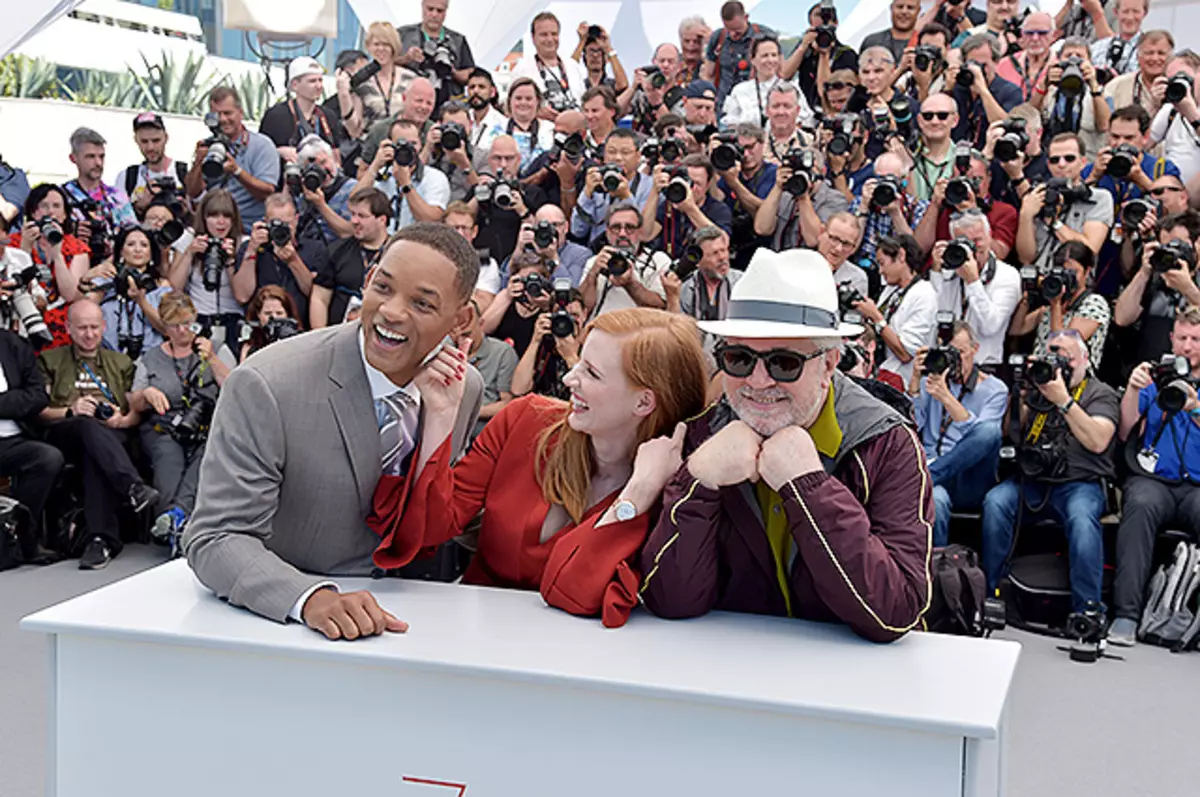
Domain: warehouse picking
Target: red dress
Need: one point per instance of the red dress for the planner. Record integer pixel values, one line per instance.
(56, 312)
(581, 569)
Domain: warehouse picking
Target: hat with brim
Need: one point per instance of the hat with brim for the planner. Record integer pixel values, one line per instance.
(789, 294)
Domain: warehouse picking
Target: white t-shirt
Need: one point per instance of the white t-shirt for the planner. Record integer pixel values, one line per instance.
(646, 271)
(1180, 142)
(433, 187)
(741, 104)
(989, 307)
(489, 278)
(915, 321)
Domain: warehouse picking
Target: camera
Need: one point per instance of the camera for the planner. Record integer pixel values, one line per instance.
(313, 176)
(842, 126)
(19, 304)
(570, 145)
(727, 153)
(680, 186)
(655, 76)
(957, 252)
(1135, 210)
(170, 232)
(942, 360)
(1012, 142)
(848, 296)
(545, 235)
(593, 32)
(619, 261)
(103, 411)
(1044, 459)
(651, 151)
(927, 57)
(562, 323)
(214, 264)
(959, 190)
(687, 262)
(1060, 195)
(404, 152)
(50, 229)
(213, 165)
(438, 56)
(1124, 156)
(99, 235)
(279, 232)
(536, 286)
(852, 355)
(802, 163)
(453, 135)
(1171, 255)
(142, 280)
(827, 30)
(1072, 82)
(189, 424)
(1059, 281)
(363, 75)
(501, 193)
(1042, 370)
(702, 133)
(1170, 375)
(1179, 87)
(672, 149)
(280, 329)
(902, 116)
(292, 179)
(965, 78)
(887, 188)
(611, 177)
(1087, 629)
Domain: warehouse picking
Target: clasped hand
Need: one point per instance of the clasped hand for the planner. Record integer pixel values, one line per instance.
(739, 454)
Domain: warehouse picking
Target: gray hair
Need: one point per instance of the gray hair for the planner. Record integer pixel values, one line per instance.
(876, 54)
(706, 234)
(750, 130)
(970, 218)
(622, 207)
(1077, 41)
(690, 22)
(784, 87)
(311, 146)
(86, 135)
(981, 40)
(831, 344)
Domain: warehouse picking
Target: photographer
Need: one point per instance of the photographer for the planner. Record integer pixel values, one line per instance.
(525, 125)
(1062, 209)
(250, 166)
(729, 52)
(99, 210)
(350, 259)
(167, 221)
(600, 112)
(1064, 96)
(1154, 50)
(889, 112)
(955, 16)
(745, 185)
(558, 171)
(1087, 19)
(699, 115)
(1067, 429)
(381, 96)
(1175, 124)
(1062, 300)
(704, 293)
(1118, 54)
(156, 174)
(835, 95)
(561, 81)
(324, 216)
(896, 38)
(440, 54)
(934, 157)
(487, 121)
(842, 139)
(819, 53)
(206, 271)
(926, 63)
(1135, 171)
(270, 304)
(276, 255)
(986, 97)
(550, 356)
(175, 389)
(783, 131)
(453, 161)
(1000, 22)
(626, 273)
(631, 186)
(417, 192)
(655, 91)
(595, 51)
(982, 290)
(1028, 67)
(667, 224)
(694, 34)
(289, 122)
(1161, 490)
(129, 293)
(836, 243)
(799, 204)
(974, 190)
(546, 235)
(495, 361)
(460, 218)
(906, 316)
(748, 100)
(61, 258)
(87, 419)
(1164, 284)
(960, 411)
(512, 315)
(886, 208)
(501, 203)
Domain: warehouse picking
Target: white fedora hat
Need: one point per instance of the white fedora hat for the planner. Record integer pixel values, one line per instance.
(788, 294)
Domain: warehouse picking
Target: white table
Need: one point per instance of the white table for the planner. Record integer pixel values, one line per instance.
(159, 688)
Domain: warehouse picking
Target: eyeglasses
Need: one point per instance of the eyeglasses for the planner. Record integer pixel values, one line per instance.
(941, 116)
(837, 85)
(783, 365)
(1054, 159)
(1164, 189)
(1036, 32)
(623, 227)
(842, 242)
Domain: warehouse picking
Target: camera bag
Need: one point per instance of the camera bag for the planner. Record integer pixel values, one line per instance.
(1171, 618)
(959, 590)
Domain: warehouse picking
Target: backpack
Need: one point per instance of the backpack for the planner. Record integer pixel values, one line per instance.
(959, 590)
(1170, 618)
(131, 176)
(15, 526)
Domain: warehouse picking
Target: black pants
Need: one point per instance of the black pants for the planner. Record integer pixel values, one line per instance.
(108, 473)
(33, 467)
(1147, 506)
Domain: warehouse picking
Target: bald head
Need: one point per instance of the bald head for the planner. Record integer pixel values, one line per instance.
(85, 323)
(889, 164)
(504, 157)
(419, 100)
(570, 122)
(550, 213)
(84, 310)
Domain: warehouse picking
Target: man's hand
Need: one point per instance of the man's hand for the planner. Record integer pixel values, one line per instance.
(935, 385)
(1033, 203)
(729, 457)
(672, 285)
(1180, 281)
(592, 181)
(1056, 390)
(413, 56)
(1141, 378)
(317, 198)
(401, 174)
(789, 454)
(84, 406)
(518, 206)
(258, 237)
(230, 166)
(383, 156)
(286, 253)
(1158, 89)
(348, 615)
(442, 382)
(968, 272)
(157, 400)
(567, 170)
(869, 310)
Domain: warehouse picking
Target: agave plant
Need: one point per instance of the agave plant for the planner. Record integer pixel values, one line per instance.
(21, 76)
(255, 94)
(169, 87)
(95, 87)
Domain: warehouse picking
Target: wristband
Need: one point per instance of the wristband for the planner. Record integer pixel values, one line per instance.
(405, 189)
(1017, 181)
(1065, 408)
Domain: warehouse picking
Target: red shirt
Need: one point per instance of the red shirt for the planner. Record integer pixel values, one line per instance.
(1002, 217)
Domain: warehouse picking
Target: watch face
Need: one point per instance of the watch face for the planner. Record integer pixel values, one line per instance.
(626, 510)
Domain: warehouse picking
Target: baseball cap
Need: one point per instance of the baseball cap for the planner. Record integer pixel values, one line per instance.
(701, 90)
(303, 67)
(148, 119)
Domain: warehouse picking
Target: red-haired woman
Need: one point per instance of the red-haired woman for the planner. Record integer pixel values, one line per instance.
(568, 490)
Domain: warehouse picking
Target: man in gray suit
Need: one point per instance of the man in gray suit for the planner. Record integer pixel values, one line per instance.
(295, 449)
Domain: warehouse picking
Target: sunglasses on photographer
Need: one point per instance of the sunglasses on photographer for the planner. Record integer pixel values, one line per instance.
(783, 365)
(1053, 160)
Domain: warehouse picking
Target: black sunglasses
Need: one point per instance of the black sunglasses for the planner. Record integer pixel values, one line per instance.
(1054, 159)
(783, 365)
(837, 85)
(1165, 189)
(941, 116)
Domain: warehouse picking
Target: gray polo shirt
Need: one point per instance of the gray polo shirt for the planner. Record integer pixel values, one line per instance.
(826, 201)
(495, 360)
(1098, 208)
(260, 159)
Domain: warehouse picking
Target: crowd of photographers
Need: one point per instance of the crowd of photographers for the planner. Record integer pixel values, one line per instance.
(1004, 199)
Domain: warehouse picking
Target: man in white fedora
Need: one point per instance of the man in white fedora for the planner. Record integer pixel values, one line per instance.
(800, 495)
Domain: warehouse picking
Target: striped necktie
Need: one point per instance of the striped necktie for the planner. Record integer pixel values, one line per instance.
(398, 417)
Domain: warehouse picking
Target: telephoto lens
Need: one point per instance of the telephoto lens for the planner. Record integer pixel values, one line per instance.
(214, 264)
(50, 230)
(213, 165)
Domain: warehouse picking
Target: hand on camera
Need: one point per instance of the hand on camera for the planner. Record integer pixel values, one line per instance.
(259, 237)
(84, 406)
(349, 615)
(1055, 390)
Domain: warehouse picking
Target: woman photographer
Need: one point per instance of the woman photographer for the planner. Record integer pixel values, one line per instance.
(568, 490)
(549, 355)
(61, 264)
(169, 229)
(533, 135)
(1075, 306)
(175, 388)
(131, 322)
(271, 302)
(205, 272)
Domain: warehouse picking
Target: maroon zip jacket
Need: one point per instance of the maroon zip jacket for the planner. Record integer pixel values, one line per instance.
(862, 531)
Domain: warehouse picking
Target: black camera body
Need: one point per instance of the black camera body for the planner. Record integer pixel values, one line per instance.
(571, 145)
(927, 57)
(655, 75)
(1135, 210)
(536, 286)
(103, 411)
(1087, 628)
(190, 423)
(1171, 255)
(438, 57)
(943, 360)
(278, 232)
(1041, 370)
(454, 135)
(141, 279)
(620, 260)
(1170, 374)
(1179, 87)
(702, 133)
(727, 153)
(562, 323)
(1060, 195)
(292, 179)
(1044, 459)
(277, 329)
(959, 190)
(100, 235)
(1124, 157)
(1012, 142)
(679, 187)
(957, 252)
(611, 177)
(965, 78)
(848, 296)
(219, 146)
(313, 176)
(803, 164)
(545, 235)
(363, 75)
(842, 125)
(51, 230)
(1058, 282)
(502, 193)
(688, 261)
(213, 265)
(404, 153)
(887, 188)
(672, 149)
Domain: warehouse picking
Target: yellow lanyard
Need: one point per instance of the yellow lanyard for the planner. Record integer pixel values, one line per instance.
(1039, 422)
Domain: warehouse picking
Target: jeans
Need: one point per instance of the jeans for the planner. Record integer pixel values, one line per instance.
(1148, 506)
(176, 469)
(1078, 505)
(963, 475)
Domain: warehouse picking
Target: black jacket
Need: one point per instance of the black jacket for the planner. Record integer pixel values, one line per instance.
(26, 393)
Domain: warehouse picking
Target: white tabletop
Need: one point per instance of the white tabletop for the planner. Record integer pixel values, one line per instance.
(928, 682)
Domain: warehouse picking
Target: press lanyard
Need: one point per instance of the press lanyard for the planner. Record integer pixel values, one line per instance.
(1039, 423)
(104, 391)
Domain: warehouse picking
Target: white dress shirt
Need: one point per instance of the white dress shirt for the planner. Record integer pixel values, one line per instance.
(742, 104)
(915, 321)
(989, 307)
(1180, 142)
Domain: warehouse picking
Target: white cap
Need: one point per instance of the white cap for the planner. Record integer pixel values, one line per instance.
(303, 67)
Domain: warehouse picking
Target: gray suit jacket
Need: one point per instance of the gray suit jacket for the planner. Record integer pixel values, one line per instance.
(290, 471)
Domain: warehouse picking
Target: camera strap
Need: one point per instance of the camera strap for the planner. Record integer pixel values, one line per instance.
(1039, 423)
(100, 385)
(319, 119)
(967, 386)
(560, 79)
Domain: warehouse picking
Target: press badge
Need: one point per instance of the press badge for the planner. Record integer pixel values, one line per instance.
(1148, 459)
